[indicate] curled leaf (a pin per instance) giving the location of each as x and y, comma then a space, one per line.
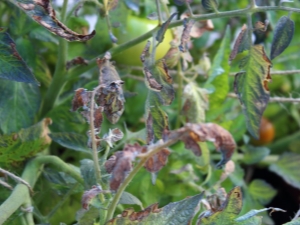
42, 12
241, 43
75, 62
151, 83
161, 32
283, 35
89, 195
81, 98
185, 37
113, 136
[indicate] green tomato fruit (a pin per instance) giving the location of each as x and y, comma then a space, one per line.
136, 27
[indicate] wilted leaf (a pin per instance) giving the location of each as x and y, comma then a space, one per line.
120, 164
185, 37
156, 162
73, 141
19, 103
200, 27
81, 98
87, 172
89, 195
241, 44
195, 103
288, 168
161, 32
110, 94
113, 136
254, 155
251, 87
26, 143
174, 213
219, 72
283, 35
42, 12
129, 199
12, 66
75, 62
151, 83
210, 5
261, 191
97, 118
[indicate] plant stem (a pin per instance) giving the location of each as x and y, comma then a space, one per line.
179, 93
60, 72
20, 194
158, 12
272, 99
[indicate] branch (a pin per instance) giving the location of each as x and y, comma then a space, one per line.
272, 99
20, 194
282, 72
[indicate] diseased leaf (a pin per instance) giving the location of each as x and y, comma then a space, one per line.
251, 87
254, 155
97, 118
113, 136
172, 57
241, 43
288, 168
174, 213
219, 72
210, 5
81, 98
161, 32
185, 37
283, 35
19, 103
261, 191
26, 143
12, 66
75, 62
42, 12
129, 199
157, 161
77, 142
195, 103
89, 195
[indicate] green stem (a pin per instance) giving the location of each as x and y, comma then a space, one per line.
179, 94
59, 76
158, 12
20, 194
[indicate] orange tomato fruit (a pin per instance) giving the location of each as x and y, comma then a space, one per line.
266, 132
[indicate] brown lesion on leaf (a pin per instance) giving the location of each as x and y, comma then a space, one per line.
77, 61
161, 64
152, 83
81, 98
156, 162
238, 42
185, 37
14, 51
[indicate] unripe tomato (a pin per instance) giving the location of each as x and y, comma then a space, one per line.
136, 27
266, 132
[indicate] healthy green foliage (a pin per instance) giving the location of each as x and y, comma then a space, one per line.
262, 191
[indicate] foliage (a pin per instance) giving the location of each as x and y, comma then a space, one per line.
85, 137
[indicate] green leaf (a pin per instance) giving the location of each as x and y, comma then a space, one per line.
293, 222
87, 172
43, 13
12, 66
254, 212
77, 142
195, 103
218, 74
256, 220
251, 87
174, 213
210, 5
87, 217
288, 168
19, 102
254, 155
261, 191
24, 144
41, 34
129, 199
283, 35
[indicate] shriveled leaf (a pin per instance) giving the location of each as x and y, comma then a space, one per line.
293, 222
219, 72
76, 61
81, 98
195, 103
228, 211
210, 5
129, 199
254, 212
157, 161
261, 191
288, 168
110, 94
251, 87
185, 37
283, 35
241, 44
43, 13
77, 142
174, 213
113, 136
89, 195
12, 66
87, 217
151, 82
87, 172
19, 103
120, 164
161, 32
26, 143
254, 155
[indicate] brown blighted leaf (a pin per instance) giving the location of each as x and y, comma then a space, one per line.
89, 195
90, 142
145, 53
172, 56
42, 12
110, 93
98, 118
157, 161
200, 27
151, 83
113, 136
75, 62
228, 211
161, 32
260, 26
81, 98
120, 164
185, 37
241, 43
